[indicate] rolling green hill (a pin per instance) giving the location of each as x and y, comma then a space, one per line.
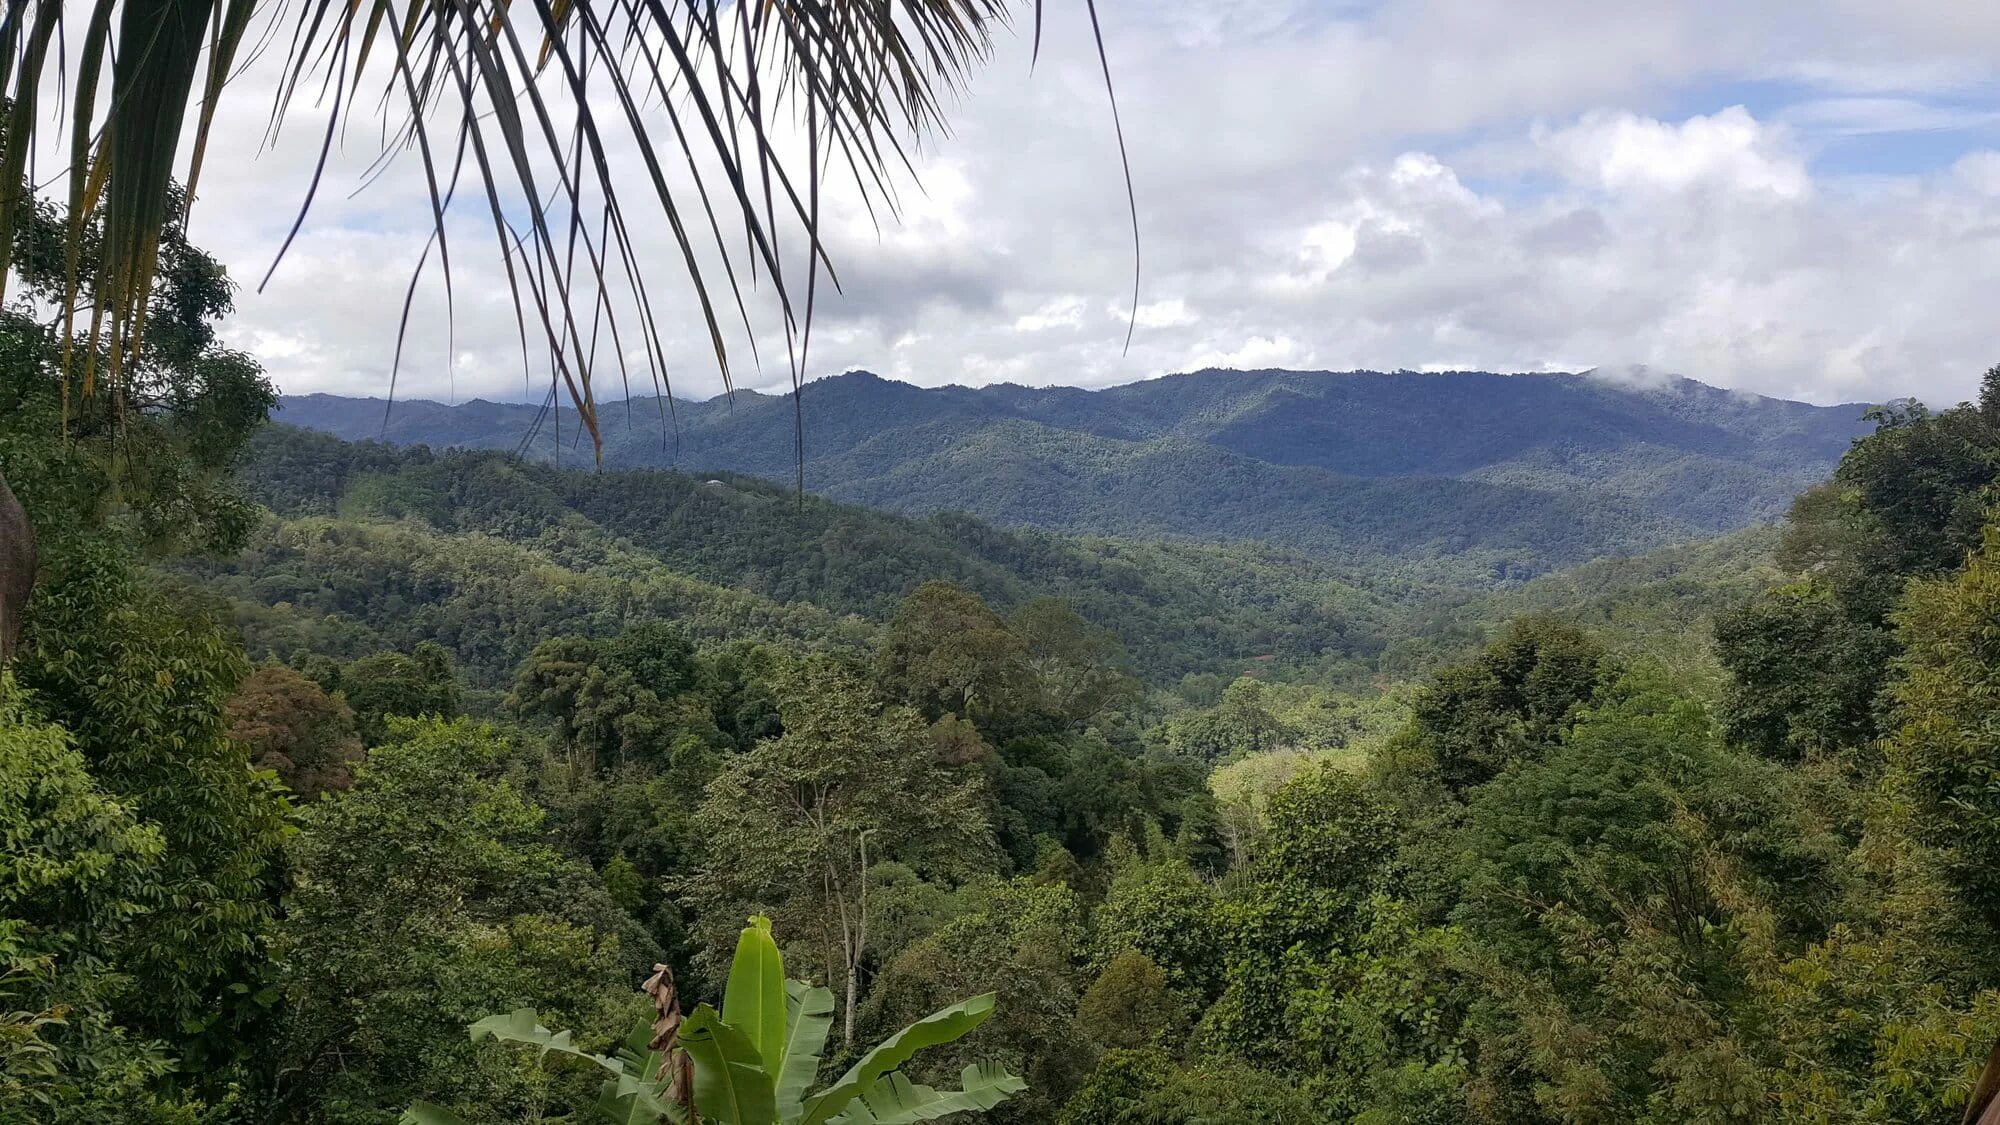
368, 546
1477, 477
371, 546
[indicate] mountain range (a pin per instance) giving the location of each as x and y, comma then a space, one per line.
1466, 475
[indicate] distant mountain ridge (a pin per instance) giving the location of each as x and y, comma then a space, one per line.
1500, 476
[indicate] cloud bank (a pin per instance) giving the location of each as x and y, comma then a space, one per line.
1800, 203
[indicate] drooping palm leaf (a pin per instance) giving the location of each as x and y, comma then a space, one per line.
938, 1028
540, 98
522, 1025
895, 1100
634, 1092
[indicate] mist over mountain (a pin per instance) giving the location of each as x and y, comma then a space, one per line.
1485, 475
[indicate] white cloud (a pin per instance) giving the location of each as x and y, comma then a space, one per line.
1257, 353
1063, 312
1409, 184
1730, 151
1171, 313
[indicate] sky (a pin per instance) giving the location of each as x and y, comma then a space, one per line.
1799, 198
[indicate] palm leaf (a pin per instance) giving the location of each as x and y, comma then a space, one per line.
730, 1084
541, 94
629, 1100
522, 1026
895, 1100
933, 1030
631, 1096
754, 1000
808, 1020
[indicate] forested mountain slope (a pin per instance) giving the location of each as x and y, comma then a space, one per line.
371, 547
374, 546
1483, 476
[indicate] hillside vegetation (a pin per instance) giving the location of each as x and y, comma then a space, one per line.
316, 754
372, 546
1476, 476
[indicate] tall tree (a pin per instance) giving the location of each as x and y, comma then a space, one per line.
948, 652
1945, 758
294, 728
793, 825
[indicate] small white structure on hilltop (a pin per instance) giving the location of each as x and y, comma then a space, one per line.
713, 483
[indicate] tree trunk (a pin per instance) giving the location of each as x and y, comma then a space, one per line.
17, 567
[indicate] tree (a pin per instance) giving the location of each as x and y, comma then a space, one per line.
1240, 725
793, 825
946, 652
294, 728
1626, 898
1243, 791
425, 890
17, 568
1019, 941
1804, 675
147, 465
1130, 1003
626, 700
140, 688
75, 878
1158, 907
1079, 670
394, 684
1149, 1087
1507, 704
1945, 756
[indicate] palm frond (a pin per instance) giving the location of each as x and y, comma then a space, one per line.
713, 101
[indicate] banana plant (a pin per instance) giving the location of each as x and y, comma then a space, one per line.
755, 1060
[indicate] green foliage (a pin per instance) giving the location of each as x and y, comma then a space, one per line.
76, 877
1021, 942
628, 699
422, 893
150, 461
1805, 675
1300, 922
1079, 670
392, 684
145, 989
1148, 1087
1165, 912
755, 1061
492, 556
791, 826
1945, 757
1506, 704
141, 688
1239, 725
1130, 1004
1908, 502
1624, 898
946, 652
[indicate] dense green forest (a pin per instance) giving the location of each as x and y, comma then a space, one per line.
1471, 476
316, 754
490, 554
